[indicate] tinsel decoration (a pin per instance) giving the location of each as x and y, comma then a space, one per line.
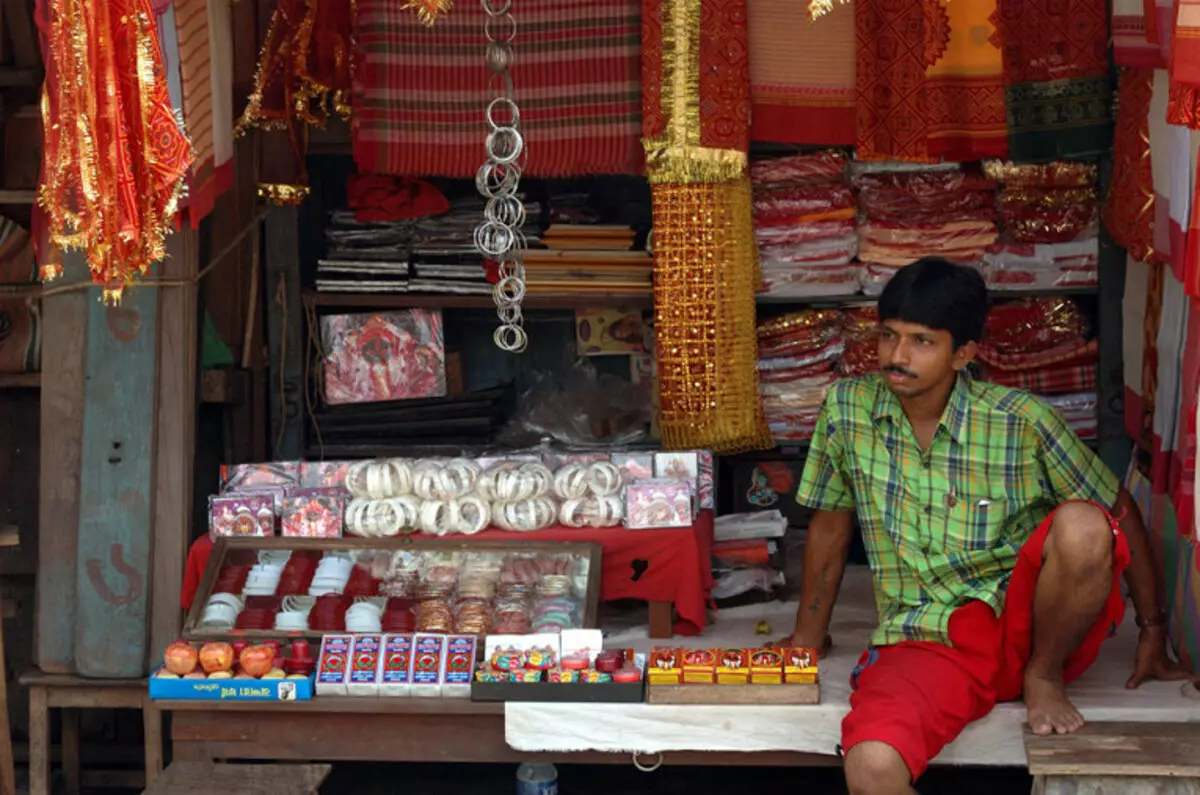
429, 11
115, 155
696, 111
303, 78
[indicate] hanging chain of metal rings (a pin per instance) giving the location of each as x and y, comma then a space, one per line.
499, 236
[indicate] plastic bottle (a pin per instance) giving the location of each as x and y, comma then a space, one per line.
533, 779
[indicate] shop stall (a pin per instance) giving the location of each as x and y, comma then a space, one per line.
655, 243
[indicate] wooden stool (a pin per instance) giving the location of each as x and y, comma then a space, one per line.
72, 694
1117, 759
187, 778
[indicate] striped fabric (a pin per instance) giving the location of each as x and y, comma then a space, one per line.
1052, 380
204, 35
420, 92
944, 526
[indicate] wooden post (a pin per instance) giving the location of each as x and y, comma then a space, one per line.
175, 442
116, 467
64, 335
284, 321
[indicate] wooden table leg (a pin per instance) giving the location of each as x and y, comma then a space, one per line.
8, 776
72, 769
152, 730
662, 619
39, 742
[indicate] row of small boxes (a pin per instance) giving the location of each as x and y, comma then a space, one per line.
675, 666
421, 665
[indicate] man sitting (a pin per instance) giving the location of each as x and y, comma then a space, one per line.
996, 540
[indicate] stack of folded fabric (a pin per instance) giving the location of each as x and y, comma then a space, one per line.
804, 221
1049, 216
912, 212
589, 258
444, 257
798, 354
860, 330
1041, 346
365, 256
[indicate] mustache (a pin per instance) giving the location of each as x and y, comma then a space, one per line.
892, 368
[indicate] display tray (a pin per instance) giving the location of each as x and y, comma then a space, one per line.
734, 695
557, 692
394, 569
230, 689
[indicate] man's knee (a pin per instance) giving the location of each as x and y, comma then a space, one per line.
1082, 534
875, 768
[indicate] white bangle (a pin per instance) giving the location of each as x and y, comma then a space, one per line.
458, 478
487, 486
435, 517
469, 515
401, 469
604, 478
540, 477
571, 513
425, 480
570, 482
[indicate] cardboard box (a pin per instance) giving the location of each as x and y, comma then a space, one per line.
665, 666
766, 667
429, 653
176, 689
799, 666
733, 667
700, 666
458, 666
364, 666
396, 666
333, 666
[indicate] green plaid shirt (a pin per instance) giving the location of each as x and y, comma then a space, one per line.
944, 526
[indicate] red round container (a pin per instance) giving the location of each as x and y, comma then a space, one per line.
627, 676
574, 663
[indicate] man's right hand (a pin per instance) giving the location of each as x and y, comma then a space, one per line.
791, 641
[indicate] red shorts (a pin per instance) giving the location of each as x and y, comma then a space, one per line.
918, 696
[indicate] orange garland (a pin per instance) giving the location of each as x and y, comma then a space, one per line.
115, 157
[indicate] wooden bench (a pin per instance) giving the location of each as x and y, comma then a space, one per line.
72, 694
1117, 759
187, 778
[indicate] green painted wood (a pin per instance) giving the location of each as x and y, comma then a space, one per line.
64, 337
113, 562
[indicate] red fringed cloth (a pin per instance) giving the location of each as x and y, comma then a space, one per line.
1129, 209
420, 92
303, 79
114, 160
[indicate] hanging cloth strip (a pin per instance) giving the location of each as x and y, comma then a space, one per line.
1056, 73
1129, 209
696, 121
115, 156
801, 74
303, 78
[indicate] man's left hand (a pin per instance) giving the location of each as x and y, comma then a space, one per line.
1153, 662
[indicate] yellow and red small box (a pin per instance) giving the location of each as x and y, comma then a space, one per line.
700, 666
733, 667
665, 666
766, 667
799, 666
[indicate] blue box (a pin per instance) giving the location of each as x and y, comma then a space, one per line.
165, 688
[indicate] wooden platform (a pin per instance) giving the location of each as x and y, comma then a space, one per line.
186, 778
996, 741
729, 695
1117, 759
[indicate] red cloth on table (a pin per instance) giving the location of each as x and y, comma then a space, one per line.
678, 565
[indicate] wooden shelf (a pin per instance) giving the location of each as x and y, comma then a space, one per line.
842, 300
15, 197
20, 380
445, 301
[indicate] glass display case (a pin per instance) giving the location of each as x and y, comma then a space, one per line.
258, 588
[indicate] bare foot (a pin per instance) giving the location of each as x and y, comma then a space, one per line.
1049, 710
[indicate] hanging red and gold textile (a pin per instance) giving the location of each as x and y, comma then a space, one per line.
1056, 75
303, 78
1137, 36
1183, 105
930, 81
801, 74
696, 121
114, 158
1129, 209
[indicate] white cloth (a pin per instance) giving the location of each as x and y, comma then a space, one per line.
1172, 331
1133, 314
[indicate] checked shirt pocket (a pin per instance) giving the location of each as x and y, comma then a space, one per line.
975, 523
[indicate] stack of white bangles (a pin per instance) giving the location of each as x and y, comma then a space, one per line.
590, 494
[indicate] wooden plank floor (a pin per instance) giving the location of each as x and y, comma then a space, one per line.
1118, 749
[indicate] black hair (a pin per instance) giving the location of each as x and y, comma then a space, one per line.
939, 294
